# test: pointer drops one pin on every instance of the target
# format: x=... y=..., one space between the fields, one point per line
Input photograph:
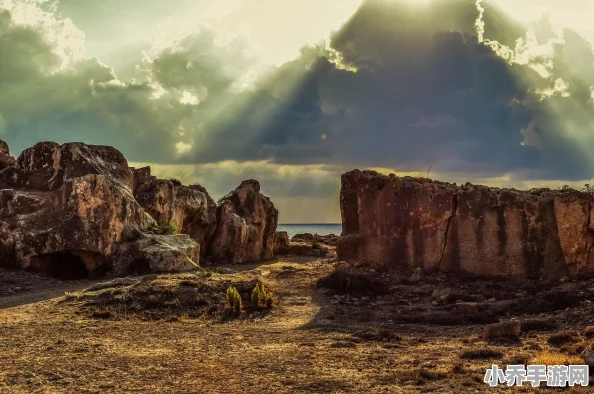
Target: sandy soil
x=313 y=341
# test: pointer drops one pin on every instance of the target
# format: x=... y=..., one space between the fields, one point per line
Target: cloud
x=456 y=86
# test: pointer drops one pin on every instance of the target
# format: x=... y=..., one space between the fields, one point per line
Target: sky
x=296 y=92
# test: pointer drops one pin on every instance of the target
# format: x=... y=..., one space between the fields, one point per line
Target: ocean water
x=320 y=229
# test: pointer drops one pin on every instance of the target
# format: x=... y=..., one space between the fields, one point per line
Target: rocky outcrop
x=6 y=160
x=189 y=208
x=156 y=253
x=329 y=239
x=246 y=223
x=281 y=243
x=409 y=222
x=65 y=208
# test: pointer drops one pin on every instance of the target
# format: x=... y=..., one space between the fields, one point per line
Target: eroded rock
x=189 y=208
x=156 y=253
x=246 y=224
x=6 y=160
x=65 y=208
x=281 y=243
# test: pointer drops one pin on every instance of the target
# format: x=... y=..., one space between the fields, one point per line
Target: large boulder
x=246 y=223
x=409 y=222
x=64 y=209
x=156 y=253
x=189 y=208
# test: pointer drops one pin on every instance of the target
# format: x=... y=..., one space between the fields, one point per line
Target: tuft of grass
x=563 y=338
x=555 y=358
x=165 y=228
x=477 y=354
x=70 y=296
x=234 y=300
x=261 y=297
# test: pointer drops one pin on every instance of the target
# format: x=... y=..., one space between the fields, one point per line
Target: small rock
x=442 y=295
x=417 y=276
x=588 y=357
x=509 y=330
x=589 y=332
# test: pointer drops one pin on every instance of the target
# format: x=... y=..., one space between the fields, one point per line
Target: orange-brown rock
x=246 y=223
x=189 y=208
x=407 y=223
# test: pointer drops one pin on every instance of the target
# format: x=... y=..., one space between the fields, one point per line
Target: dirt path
x=308 y=344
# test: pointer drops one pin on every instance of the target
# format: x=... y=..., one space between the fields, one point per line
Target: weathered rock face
x=246 y=223
x=409 y=223
x=156 y=253
x=63 y=209
x=189 y=208
x=6 y=160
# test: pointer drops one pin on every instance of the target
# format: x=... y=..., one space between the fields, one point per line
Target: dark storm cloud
x=413 y=69
x=426 y=93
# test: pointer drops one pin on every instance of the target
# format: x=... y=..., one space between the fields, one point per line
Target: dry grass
x=555 y=358
x=101 y=342
x=563 y=338
x=477 y=354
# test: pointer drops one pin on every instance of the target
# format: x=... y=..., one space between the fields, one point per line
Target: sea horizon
x=312 y=228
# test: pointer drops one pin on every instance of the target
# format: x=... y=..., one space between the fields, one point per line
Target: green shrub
x=234 y=300
x=316 y=245
x=165 y=228
x=261 y=297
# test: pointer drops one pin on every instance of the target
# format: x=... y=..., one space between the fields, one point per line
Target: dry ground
x=313 y=341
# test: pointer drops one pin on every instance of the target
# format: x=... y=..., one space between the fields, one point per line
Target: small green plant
x=234 y=300
x=316 y=245
x=261 y=297
x=588 y=188
x=166 y=228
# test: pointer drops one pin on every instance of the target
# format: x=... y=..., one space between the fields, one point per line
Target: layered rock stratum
x=407 y=223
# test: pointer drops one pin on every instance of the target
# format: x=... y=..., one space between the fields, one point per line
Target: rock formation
x=329 y=239
x=156 y=253
x=189 y=208
x=246 y=223
x=281 y=243
x=408 y=223
x=65 y=208
x=6 y=160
